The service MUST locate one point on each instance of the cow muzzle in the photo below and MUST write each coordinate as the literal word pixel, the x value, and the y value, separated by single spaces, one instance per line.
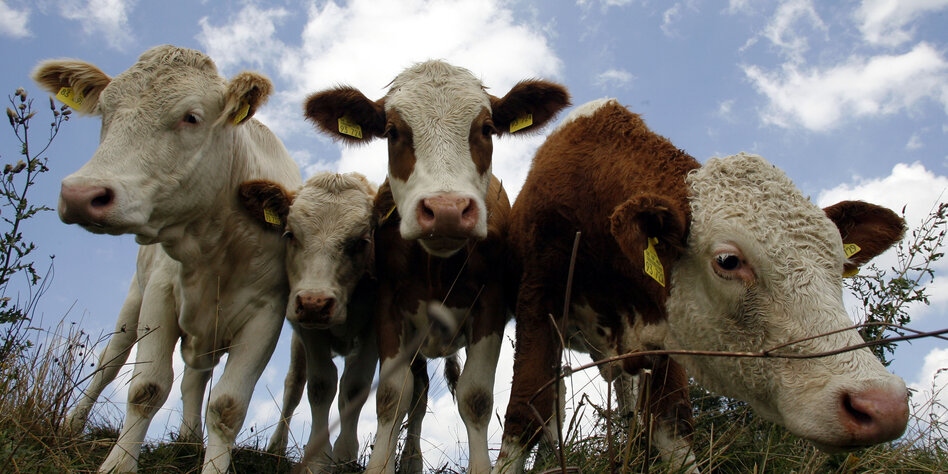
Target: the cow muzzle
pixel 314 310
pixel 874 415
pixel 447 216
pixel 85 205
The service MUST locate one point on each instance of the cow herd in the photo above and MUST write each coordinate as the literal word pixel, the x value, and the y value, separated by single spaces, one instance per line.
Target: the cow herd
pixel 618 242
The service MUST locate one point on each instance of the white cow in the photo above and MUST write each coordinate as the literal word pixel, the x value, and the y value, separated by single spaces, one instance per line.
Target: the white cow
pixel 177 139
pixel 115 355
pixel 328 227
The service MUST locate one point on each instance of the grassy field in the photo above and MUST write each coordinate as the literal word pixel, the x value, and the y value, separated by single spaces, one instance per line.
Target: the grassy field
pixel 728 437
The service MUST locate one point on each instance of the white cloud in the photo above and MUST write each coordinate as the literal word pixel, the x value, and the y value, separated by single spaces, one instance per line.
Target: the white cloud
pixel 101 17
pixel 784 29
pixel 669 18
pixel 931 398
pixel 13 21
pixel 916 189
pixel 884 22
pixel 247 39
pixel 614 78
pixel 820 99
pixel 915 142
pixel 737 6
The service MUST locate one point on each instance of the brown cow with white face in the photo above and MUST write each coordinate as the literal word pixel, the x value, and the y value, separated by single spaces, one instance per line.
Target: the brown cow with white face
pixel 440 245
pixel 728 256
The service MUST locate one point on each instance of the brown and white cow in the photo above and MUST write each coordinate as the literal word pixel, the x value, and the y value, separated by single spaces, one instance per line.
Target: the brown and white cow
pixel 328 227
pixel 177 140
pixel 440 246
pixel 748 263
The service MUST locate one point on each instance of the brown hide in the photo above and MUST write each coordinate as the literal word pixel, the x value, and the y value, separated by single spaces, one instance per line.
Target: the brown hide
pixel 473 277
pixel 610 177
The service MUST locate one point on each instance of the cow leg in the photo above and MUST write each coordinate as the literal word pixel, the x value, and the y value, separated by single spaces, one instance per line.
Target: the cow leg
pixel 669 410
pixel 152 378
pixel 536 362
pixel 321 377
pixel 293 386
pixel 412 461
pixel 392 400
pixel 248 356
pixel 193 387
pixel 476 398
pixel 354 390
pixel 111 360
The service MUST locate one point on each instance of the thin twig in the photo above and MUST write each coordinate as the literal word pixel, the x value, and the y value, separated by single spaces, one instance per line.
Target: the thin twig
pixel 765 354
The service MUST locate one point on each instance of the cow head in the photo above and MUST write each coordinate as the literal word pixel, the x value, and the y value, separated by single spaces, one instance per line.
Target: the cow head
pixel 760 266
pixel 439 122
pixel 328 228
pixel 168 125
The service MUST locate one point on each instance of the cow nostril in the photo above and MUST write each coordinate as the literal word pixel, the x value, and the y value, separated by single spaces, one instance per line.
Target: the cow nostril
pixel 854 413
pixel 469 210
pixel 103 199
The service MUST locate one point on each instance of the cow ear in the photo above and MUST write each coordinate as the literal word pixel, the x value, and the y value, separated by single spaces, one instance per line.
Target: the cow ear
pixel 646 218
pixel 347 114
pixel 266 201
pixel 528 106
pixel 85 81
pixel 246 92
pixel 873 229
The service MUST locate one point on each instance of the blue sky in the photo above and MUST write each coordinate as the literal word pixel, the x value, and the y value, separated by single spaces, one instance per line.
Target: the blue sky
pixel 849 98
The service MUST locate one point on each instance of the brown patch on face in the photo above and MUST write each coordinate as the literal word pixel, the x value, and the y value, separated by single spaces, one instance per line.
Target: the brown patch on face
pixel 145 398
pixel 401 147
pixel 229 415
pixel 480 141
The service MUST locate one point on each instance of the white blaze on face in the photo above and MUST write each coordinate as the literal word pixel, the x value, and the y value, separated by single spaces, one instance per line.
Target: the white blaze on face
pixel 433 109
pixel 763 267
pixel 328 235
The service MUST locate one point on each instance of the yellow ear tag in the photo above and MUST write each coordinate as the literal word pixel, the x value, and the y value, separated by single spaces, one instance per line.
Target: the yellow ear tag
pixel 390 212
pixel 242 113
pixel 67 96
pixel 850 250
pixel 271 216
pixel 521 123
pixel 653 266
pixel 348 127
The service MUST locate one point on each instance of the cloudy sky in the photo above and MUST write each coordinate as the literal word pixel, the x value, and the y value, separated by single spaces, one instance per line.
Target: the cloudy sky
pixel 849 98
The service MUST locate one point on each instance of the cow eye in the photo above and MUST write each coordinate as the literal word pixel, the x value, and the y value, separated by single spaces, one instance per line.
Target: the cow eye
pixel 288 236
pixel 727 262
pixel 488 130
pixel 190 118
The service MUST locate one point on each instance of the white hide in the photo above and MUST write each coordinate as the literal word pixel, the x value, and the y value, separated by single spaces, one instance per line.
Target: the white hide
pixel 439 102
pixel 173 157
pixel 796 255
